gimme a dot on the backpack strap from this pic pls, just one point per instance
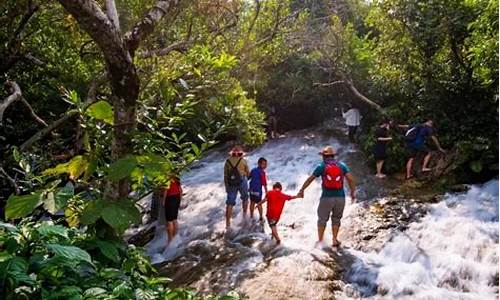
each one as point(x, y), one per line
point(235, 166)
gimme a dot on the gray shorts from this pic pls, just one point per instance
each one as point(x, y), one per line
point(333, 206)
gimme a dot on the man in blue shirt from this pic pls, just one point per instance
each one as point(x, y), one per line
point(332, 199)
point(416, 143)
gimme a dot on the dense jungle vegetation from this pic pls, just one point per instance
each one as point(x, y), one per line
point(104, 100)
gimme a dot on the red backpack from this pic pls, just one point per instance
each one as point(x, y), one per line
point(333, 176)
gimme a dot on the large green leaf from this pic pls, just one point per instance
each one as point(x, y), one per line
point(91, 212)
point(122, 168)
point(69, 252)
point(21, 206)
point(121, 215)
point(101, 110)
point(47, 229)
point(75, 167)
point(108, 249)
point(15, 270)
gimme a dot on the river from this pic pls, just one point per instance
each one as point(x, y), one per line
point(448, 250)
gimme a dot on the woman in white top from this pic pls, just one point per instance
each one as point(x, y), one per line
point(352, 118)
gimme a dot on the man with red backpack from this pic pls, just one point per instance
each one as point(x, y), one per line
point(332, 199)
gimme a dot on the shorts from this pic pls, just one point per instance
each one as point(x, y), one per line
point(272, 222)
point(255, 197)
point(333, 206)
point(232, 193)
point(380, 152)
point(414, 150)
point(172, 204)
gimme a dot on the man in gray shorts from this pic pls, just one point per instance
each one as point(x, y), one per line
point(332, 199)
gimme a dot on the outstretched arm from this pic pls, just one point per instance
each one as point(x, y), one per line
point(352, 186)
point(262, 202)
point(436, 142)
point(305, 185)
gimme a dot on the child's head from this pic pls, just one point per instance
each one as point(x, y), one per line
point(262, 162)
point(277, 186)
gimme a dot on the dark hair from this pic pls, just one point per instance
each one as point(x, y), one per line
point(262, 159)
point(277, 185)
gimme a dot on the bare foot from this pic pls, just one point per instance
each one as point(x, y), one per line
point(380, 176)
point(426, 170)
point(336, 243)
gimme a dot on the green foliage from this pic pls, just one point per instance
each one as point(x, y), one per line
point(47, 261)
point(101, 110)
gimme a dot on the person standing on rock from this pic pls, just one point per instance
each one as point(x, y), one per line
point(171, 201)
point(332, 201)
point(380, 148)
point(352, 119)
point(236, 172)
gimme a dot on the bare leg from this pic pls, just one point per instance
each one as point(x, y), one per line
point(229, 214)
point(274, 231)
point(409, 167)
point(170, 231)
point(427, 158)
point(321, 232)
point(245, 208)
point(252, 208)
point(380, 164)
point(259, 207)
point(335, 232)
point(176, 227)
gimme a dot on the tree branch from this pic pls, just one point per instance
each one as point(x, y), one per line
point(10, 180)
point(122, 72)
point(147, 25)
point(181, 46)
point(15, 94)
point(329, 83)
point(33, 113)
point(112, 14)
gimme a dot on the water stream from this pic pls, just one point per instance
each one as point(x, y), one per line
point(451, 253)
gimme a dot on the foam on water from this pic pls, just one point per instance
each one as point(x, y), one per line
point(452, 253)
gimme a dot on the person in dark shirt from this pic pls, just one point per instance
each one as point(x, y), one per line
point(416, 139)
point(380, 149)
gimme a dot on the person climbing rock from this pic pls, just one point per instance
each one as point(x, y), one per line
point(257, 182)
point(275, 203)
point(380, 148)
point(416, 138)
point(352, 119)
point(171, 201)
point(332, 199)
point(235, 180)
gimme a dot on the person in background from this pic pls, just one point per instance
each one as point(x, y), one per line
point(275, 203)
point(416, 138)
point(352, 119)
point(171, 201)
point(332, 199)
point(272, 123)
point(257, 182)
point(380, 148)
point(235, 180)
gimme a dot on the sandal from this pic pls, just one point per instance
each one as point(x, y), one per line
point(337, 244)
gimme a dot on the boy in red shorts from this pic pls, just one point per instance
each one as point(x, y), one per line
point(275, 202)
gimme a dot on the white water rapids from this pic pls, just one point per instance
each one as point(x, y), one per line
point(451, 253)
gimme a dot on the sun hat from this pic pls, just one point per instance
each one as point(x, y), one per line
point(328, 151)
point(236, 150)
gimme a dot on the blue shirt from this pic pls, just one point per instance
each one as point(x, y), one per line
point(257, 179)
point(423, 133)
point(320, 170)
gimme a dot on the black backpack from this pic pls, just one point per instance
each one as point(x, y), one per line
point(234, 178)
point(412, 133)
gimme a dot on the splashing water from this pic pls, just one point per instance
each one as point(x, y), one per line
point(246, 259)
point(452, 253)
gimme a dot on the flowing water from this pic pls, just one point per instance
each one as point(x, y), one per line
point(450, 253)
